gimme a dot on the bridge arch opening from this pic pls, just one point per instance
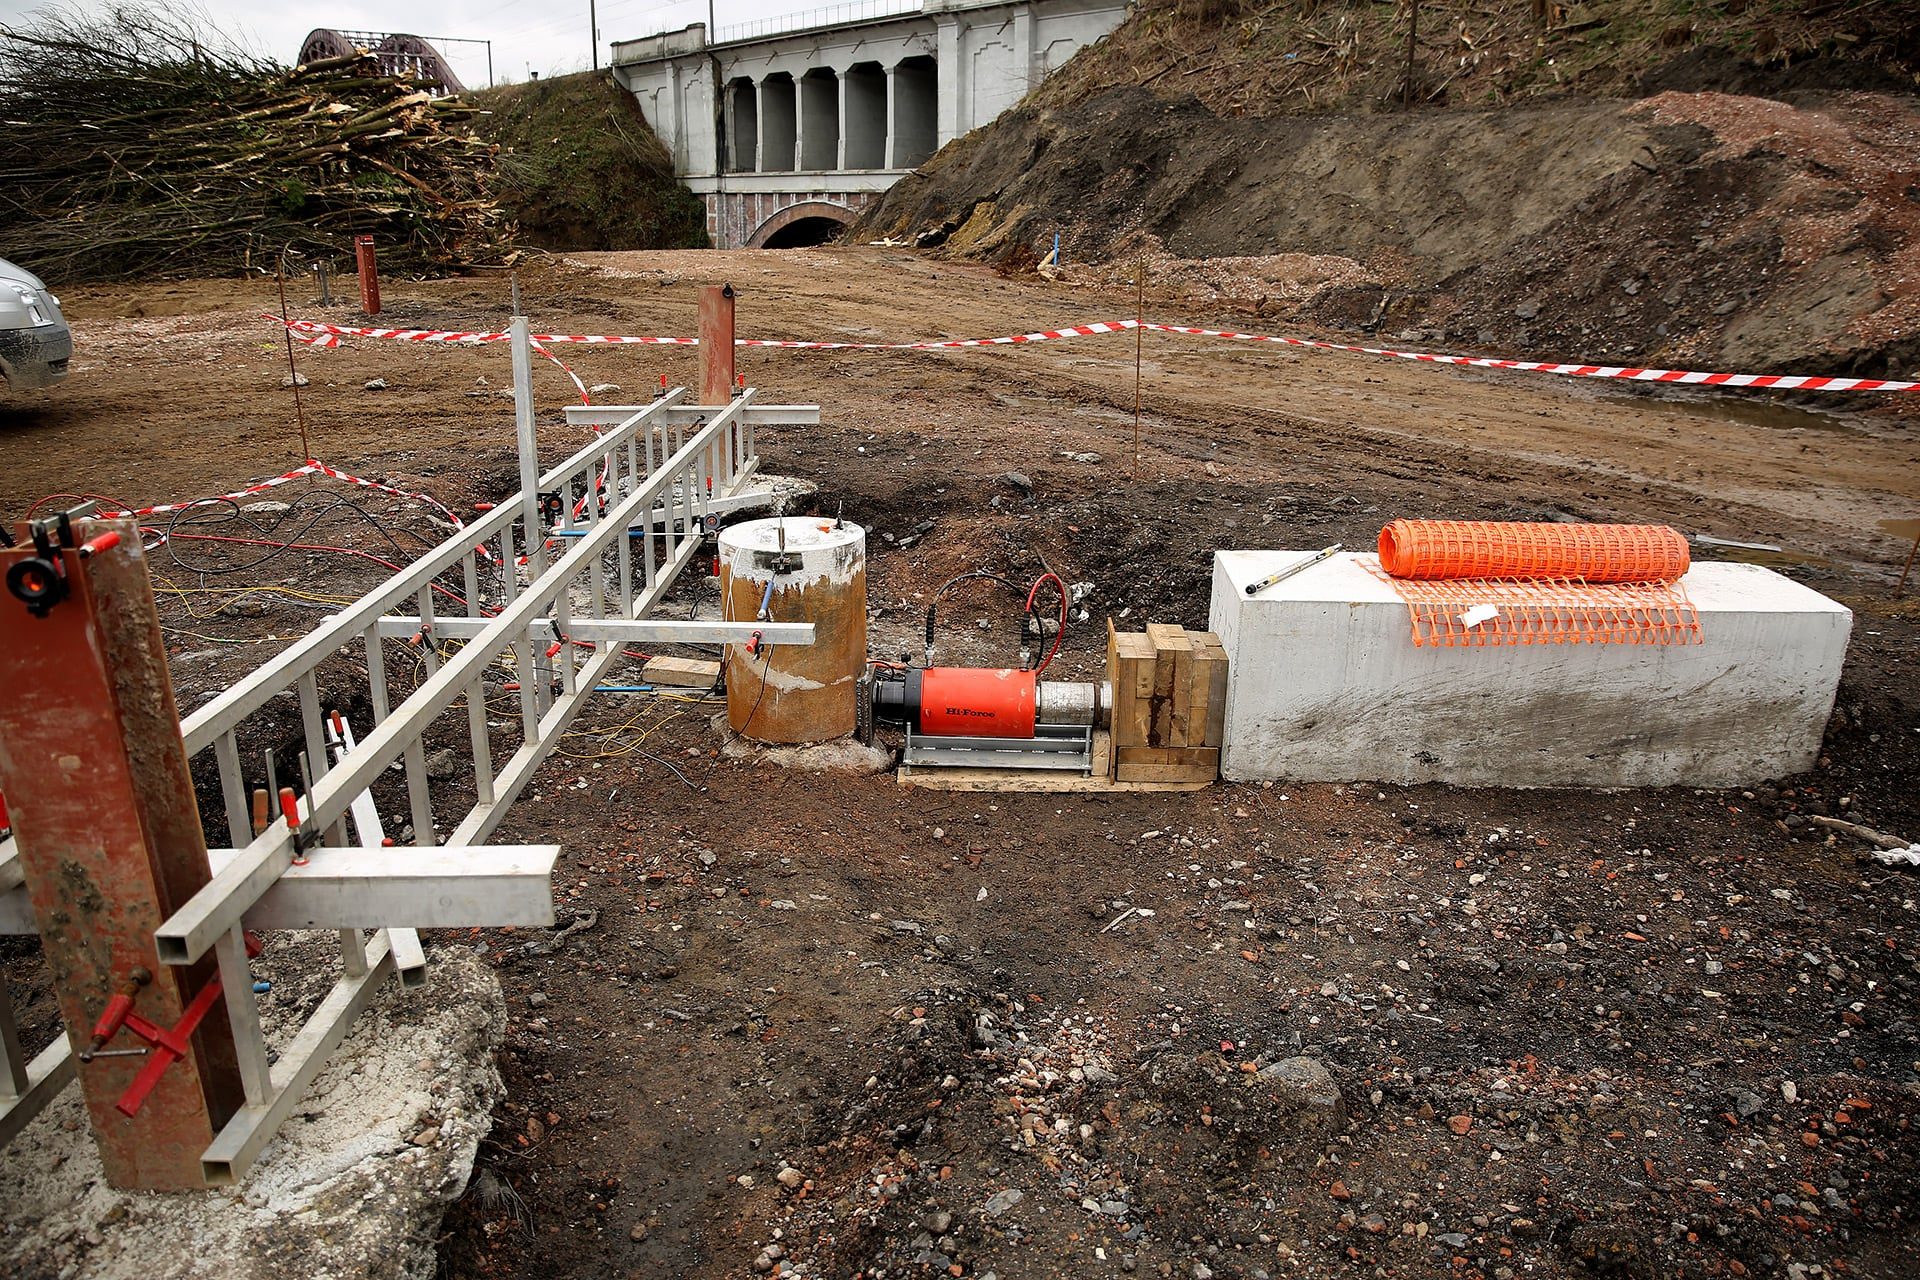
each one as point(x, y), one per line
point(916, 93)
point(778, 119)
point(801, 226)
point(743, 126)
point(866, 116)
point(820, 119)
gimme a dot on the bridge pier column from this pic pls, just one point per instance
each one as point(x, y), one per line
point(891, 144)
point(840, 151)
point(1023, 48)
point(948, 89)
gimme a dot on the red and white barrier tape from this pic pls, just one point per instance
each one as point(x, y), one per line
point(335, 474)
point(160, 509)
point(315, 334)
point(1776, 381)
point(564, 368)
point(329, 335)
point(312, 467)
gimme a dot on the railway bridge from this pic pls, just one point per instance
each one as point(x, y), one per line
point(789, 127)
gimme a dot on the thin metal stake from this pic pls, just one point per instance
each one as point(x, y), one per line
point(1139, 313)
point(1908, 567)
point(293, 374)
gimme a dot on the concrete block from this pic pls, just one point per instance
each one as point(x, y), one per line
point(1326, 685)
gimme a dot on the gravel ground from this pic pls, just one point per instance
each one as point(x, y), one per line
point(823, 1025)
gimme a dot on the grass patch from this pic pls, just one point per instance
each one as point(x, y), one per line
point(580, 168)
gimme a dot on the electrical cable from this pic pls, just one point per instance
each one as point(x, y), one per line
point(958, 578)
point(230, 510)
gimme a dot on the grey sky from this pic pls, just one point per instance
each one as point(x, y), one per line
point(548, 36)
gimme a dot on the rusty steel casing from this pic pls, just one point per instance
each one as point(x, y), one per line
point(796, 693)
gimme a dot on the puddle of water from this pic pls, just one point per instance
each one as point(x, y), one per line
point(1758, 555)
point(1904, 529)
point(1749, 413)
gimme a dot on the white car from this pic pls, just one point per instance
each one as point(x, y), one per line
point(35, 343)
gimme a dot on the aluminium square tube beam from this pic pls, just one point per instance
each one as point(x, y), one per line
point(224, 901)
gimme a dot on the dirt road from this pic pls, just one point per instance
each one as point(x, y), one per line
point(1405, 1031)
point(191, 388)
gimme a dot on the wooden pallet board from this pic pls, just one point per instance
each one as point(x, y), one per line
point(1167, 764)
point(1130, 675)
point(1062, 782)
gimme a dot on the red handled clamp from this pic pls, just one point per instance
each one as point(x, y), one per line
point(304, 836)
point(115, 1016)
point(168, 1044)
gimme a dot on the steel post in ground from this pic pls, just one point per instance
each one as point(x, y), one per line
point(369, 275)
point(109, 838)
point(716, 344)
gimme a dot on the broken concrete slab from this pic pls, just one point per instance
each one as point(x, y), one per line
point(354, 1185)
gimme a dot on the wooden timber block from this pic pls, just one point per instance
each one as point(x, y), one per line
point(1172, 668)
point(1130, 678)
point(1166, 764)
point(685, 673)
point(1209, 721)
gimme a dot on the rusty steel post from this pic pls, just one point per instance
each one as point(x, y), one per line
point(716, 344)
point(369, 275)
point(110, 843)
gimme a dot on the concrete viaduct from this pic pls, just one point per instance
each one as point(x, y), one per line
point(787, 133)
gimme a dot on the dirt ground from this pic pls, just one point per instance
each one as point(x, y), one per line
point(837, 1028)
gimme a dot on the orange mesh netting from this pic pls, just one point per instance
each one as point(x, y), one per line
point(1482, 583)
point(1514, 549)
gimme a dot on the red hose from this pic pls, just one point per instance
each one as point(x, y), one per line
point(113, 504)
point(1059, 632)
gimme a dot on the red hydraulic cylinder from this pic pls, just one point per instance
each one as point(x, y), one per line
point(977, 702)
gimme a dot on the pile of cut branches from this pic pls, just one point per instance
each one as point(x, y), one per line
point(133, 146)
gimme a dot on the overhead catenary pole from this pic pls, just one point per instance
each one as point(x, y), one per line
point(593, 31)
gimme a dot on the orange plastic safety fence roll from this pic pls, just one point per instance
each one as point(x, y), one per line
point(1496, 549)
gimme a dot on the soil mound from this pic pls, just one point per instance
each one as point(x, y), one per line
point(1290, 164)
point(582, 169)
